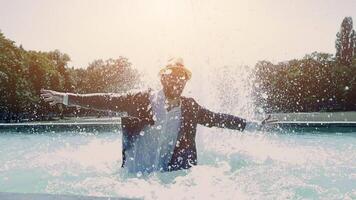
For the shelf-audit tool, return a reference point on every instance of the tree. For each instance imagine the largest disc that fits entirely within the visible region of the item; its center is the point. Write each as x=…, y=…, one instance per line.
x=16, y=95
x=311, y=84
x=23, y=74
x=61, y=60
x=112, y=75
x=354, y=42
x=345, y=42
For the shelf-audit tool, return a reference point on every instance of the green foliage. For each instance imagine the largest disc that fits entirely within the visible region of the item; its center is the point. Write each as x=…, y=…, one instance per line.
x=112, y=75
x=345, y=42
x=24, y=73
x=14, y=72
x=60, y=61
x=315, y=83
x=318, y=82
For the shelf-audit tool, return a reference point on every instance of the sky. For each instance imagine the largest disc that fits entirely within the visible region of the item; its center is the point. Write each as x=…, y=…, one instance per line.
x=206, y=33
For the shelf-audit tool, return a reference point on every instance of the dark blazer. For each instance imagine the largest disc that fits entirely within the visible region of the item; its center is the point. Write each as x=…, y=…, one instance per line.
x=137, y=106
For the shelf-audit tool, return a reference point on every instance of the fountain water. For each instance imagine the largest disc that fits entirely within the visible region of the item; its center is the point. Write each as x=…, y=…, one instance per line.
x=232, y=164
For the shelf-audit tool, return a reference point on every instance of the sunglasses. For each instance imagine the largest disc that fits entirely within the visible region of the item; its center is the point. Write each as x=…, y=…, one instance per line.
x=171, y=74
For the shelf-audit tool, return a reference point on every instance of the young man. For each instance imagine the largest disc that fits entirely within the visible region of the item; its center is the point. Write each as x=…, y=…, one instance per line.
x=159, y=132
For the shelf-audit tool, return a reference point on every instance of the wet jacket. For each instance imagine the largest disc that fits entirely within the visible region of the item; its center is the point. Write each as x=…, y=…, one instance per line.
x=137, y=106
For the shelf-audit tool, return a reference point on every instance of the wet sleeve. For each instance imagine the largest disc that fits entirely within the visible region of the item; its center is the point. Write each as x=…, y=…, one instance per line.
x=209, y=119
x=103, y=101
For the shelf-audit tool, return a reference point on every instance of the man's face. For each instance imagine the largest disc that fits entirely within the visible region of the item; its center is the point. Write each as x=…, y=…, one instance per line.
x=173, y=83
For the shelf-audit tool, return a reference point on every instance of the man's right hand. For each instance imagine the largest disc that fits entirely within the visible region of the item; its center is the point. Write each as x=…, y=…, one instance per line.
x=52, y=97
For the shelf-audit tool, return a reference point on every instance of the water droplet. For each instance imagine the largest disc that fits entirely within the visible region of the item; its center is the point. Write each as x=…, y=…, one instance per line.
x=139, y=174
x=264, y=95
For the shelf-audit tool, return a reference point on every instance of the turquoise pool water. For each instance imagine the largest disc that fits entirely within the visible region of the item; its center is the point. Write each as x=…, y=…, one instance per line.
x=232, y=165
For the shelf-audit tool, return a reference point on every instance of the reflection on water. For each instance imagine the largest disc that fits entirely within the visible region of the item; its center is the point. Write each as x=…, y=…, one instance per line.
x=231, y=165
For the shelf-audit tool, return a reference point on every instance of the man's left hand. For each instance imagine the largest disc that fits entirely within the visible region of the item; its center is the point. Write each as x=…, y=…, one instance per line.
x=268, y=120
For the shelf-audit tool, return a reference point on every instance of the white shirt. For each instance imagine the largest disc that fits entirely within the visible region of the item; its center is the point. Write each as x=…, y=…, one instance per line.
x=154, y=148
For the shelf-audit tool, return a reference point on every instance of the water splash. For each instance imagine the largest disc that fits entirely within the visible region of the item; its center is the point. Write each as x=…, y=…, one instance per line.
x=232, y=165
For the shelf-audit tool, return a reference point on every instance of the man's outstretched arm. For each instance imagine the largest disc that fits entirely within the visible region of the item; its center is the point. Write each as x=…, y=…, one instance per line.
x=98, y=101
x=209, y=118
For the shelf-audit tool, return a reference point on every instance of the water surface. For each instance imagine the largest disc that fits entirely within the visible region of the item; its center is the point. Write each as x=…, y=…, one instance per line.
x=232, y=165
